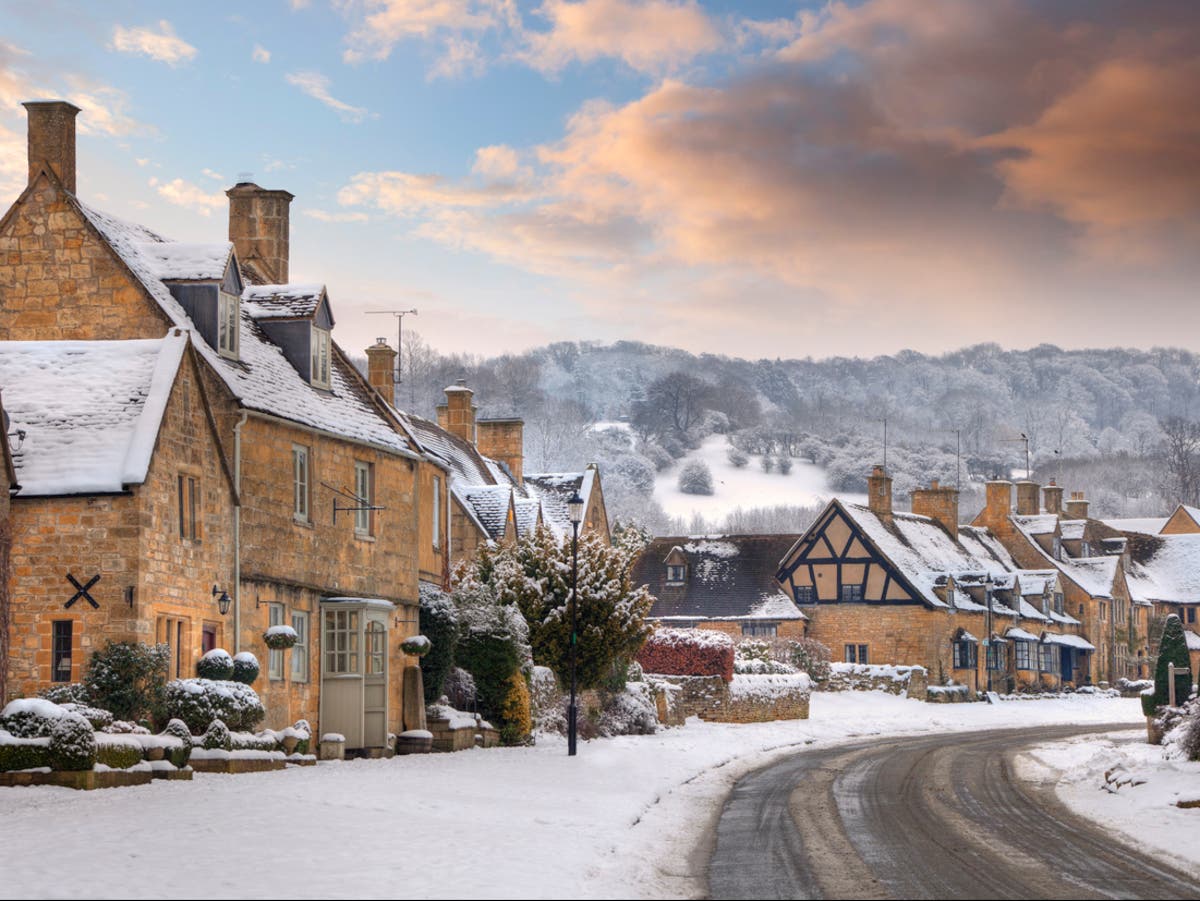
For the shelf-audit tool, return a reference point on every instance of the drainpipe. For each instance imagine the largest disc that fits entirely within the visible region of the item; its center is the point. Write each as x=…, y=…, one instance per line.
x=237, y=533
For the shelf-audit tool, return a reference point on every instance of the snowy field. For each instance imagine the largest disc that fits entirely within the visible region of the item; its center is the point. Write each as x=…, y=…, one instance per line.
x=1124, y=784
x=625, y=818
x=747, y=487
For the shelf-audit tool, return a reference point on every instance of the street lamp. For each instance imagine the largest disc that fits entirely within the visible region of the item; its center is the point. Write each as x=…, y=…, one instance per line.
x=575, y=512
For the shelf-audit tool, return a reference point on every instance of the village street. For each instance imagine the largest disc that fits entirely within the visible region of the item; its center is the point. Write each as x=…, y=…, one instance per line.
x=940, y=817
x=628, y=817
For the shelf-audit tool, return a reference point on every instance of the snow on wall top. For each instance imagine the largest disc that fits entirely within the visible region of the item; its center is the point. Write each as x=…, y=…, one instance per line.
x=90, y=410
x=262, y=379
x=1073, y=529
x=283, y=301
x=189, y=262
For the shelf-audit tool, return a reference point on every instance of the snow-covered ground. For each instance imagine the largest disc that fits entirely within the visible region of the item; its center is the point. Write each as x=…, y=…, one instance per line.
x=1123, y=783
x=621, y=819
x=748, y=487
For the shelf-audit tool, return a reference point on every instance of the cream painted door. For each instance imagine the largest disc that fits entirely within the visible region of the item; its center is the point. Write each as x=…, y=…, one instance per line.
x=375, y=665
x=342, y=674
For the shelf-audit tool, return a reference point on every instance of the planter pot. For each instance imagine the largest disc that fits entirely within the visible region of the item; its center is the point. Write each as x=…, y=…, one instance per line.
x=415, y=741
x=1154, y=732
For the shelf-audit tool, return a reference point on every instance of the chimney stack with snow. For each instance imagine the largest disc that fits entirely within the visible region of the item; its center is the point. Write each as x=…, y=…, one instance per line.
x=259, y=230
x=457, y=414
x=51, y=129
x=1077, y=506
x=1053, y=496
x=1027, y=498
x=381, y=369
x=939, y=503
x=879, y=493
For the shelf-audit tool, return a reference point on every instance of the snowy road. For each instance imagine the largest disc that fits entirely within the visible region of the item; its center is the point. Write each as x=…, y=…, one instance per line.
x=939, y=817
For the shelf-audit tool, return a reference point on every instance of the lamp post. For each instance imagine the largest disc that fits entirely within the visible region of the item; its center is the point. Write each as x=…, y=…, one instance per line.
x=575, y=511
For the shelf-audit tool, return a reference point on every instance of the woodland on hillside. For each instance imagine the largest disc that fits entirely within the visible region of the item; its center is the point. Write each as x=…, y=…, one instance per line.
x=1119, y=424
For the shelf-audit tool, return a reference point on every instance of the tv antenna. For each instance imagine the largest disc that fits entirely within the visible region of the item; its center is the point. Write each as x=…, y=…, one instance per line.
x=399, y=314
x=1025, y=439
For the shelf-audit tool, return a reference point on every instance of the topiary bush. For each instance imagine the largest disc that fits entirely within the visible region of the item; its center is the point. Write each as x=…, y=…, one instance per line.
x=72, y=743
x=1172, y=649
x=179, y=756
x=101, y=720
x=514, y=719
x=216, y=665
x=688, y=652
x=23, y=756
x=200, y=701
x=244, y=741
x=216, y=737
x=245, y=668
x=29, y=717
x=70, y=693
x=118, y=756
x=129, y=680
x=305, y=731
x=439, y=622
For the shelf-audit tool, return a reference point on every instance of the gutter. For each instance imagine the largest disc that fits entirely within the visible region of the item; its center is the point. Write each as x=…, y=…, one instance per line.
x=337, y=436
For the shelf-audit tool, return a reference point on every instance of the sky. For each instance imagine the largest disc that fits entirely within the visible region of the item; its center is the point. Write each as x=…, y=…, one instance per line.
x=774, y=179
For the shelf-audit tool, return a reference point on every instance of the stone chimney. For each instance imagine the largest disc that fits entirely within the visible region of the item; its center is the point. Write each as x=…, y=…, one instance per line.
x=51, y=131
x=879, y=493
x=457, y=414
x=381, y=369
x=1053, y=497
x=503, y=440
x=1077, y=506
x=258, y=228
x=938, y=503
x=1027, y=498
x=997, y=507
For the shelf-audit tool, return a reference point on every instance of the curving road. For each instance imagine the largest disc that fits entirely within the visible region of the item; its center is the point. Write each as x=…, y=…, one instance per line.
x=933, y=817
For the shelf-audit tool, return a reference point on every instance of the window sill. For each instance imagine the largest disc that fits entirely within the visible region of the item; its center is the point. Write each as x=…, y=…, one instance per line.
x=307, y=523
x=362, y=536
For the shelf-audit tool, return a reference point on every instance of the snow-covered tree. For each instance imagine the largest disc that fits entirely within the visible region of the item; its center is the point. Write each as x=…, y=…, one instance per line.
x=695, y=478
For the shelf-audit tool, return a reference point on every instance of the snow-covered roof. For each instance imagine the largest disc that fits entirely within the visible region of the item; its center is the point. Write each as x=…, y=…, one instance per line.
x=262, y=379
x=554, y=489
x=90, y=410
x=1071, y=641
x=1039, y=524
x=1163, y=568
x=183, y=261
x=1193, y=640
x=1019, y=634
x=466, y=464
x=526, y=510
x=1073, y=529
x=491, y=504
x=1145, y=525
x=283, y=301
x=1095, y=575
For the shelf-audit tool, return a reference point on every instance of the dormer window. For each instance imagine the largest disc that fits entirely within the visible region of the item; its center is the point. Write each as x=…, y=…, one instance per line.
x=675, y=573
x=1057, y=548
x=228, y=315
x=320, y=357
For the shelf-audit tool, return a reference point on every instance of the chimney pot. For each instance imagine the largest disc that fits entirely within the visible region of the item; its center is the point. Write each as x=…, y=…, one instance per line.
x=51, y=135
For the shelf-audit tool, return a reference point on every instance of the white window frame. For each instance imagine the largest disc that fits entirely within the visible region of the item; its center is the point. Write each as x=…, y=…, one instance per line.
x=229, y=307
x=276, y=615
x=364, y=492
x=301, y=483
x=319, y=363
x=676, y=573
x=300, y=622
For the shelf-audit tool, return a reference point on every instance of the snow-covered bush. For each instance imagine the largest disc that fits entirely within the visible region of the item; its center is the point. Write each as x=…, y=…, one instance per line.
x=119, y=754
x=754, y=656
x=245, y=741
x=200, y=701
x=546, y=698
x=22, y=753
x=657, y=455
x=784, y=464
x=124, y=727
x=30, y=717
x=72, y=743
x=493, y=646
x=766, y=463
x=179, y=756
x=737, y=457
x=416, y=646
x=129, y=679
x=216, y=737
x=1183, y=738
x=460, y=689
x=216, y=664
x=695, y=478
x=810, y=656
x=245, y=668
x=438, y=620
x=101, y=720
x=280, y=638
x=68, y=693
x=688, y=652
x=629, y=712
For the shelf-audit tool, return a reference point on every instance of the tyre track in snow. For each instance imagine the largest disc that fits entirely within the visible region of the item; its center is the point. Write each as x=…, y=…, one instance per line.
x=927, y=817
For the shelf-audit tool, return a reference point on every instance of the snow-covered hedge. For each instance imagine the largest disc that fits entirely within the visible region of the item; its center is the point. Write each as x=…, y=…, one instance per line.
x=216, y=664
x=688, y=652
x=200, y=701
x=769, y=687
x=72, y=743
x=31, y=717
x=245, y=668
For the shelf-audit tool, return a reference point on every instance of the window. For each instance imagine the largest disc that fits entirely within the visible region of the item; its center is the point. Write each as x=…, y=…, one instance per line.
x=275, y=614
x=997, y=659
x=852, y=593
x=171, y=632
x=376, y=649
x=761, y=630
x=341, y=642
x=1047, y=654
x=364, y=484
x=857, y=653
x=1191, y=614
x=1059, y=606
x=1103, y=612
x=300, y=483
x=189, y=507
x=1057, y=548
x=1022, y=654
x=228, y=313
x=60, y=661
x=437, y=512
x=805, y=594
x=300, y=649
x=965, y=654
x=320, y=357
x=675, y=572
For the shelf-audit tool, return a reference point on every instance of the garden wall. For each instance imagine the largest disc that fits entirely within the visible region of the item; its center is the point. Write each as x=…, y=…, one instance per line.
x=747, y=699
x=907, y=681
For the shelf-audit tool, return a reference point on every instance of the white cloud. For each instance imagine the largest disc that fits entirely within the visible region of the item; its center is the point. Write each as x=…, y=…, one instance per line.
x=326, y=216
x=215, y=176
x=316, y=85
x=381, y=24
x=261, y=54
x=185, y=194
x=162, y=45
x=143, y=161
